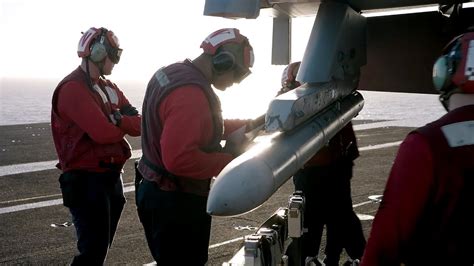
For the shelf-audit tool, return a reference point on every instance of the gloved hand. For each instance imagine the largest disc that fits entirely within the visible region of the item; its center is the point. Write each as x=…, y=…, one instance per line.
x=255, y=123
x=283, y=90
x=237, y=142
x=128, y=110
x=116, y=117
x=117, y=114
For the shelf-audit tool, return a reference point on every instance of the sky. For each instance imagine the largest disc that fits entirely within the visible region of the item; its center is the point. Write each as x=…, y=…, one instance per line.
x=39, y=39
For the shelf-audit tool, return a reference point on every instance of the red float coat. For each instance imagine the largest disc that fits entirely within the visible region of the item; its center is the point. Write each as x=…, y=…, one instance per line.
x=425, y=217
x=183, y=127
x=83, y=134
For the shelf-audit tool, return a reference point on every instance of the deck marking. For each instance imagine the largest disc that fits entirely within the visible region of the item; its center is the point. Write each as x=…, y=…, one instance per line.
x=380, y=146
x=22, y=168
x=362, y=203
x=29, y=206
x=15, y=169
x=226, y=242
x=41, y=204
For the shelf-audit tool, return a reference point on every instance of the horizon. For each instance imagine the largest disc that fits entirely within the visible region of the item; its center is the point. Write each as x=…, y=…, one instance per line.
x=36, y=94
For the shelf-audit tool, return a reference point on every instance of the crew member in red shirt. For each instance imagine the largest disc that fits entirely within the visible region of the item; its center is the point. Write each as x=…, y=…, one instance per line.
x=90, y=117
x=425, y=217
x=325, y=181
x=181, y=134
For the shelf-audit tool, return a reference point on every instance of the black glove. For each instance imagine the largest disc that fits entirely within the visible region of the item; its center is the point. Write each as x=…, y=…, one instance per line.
x=128, y=110
x=116, y=117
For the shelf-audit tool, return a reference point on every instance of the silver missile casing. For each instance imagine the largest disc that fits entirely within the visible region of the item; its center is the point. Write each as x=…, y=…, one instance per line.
x=294, y=107
x=250, y=179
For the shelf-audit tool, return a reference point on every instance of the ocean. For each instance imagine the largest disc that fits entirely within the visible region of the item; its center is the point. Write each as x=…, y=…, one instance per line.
x=29, y=101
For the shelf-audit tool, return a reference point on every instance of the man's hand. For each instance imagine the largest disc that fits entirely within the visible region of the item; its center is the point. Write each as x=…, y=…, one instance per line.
x=116, y=117
x=117, y=114
x=128, y=110
x=237, y=142
x=255, y=123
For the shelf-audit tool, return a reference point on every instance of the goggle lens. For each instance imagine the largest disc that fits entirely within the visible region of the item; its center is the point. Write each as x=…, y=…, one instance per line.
x=114, y=55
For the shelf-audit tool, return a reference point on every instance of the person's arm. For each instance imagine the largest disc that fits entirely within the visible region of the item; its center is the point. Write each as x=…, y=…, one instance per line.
x=188, y=127
x=77, y=104
x=231, y=125
x=131, y=125
x=404, y=200
x=131, y=118
x=240, y=133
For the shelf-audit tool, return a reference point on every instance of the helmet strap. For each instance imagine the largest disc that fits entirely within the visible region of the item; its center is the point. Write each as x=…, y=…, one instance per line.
x=89, y=79
x=100, y=65
x=445, y=95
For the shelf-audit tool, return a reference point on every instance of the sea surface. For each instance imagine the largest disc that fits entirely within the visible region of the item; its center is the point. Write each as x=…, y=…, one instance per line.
x=26, y=102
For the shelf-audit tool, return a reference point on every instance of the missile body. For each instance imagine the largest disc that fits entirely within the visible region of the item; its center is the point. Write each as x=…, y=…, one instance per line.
x=296, y=106
x=250, y=179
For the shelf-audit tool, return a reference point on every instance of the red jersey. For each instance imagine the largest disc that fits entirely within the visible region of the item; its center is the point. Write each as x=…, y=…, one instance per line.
x=425, y=216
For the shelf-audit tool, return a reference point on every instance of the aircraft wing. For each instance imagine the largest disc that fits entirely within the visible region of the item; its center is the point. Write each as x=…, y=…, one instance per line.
x=296, y=8
x=399, y=51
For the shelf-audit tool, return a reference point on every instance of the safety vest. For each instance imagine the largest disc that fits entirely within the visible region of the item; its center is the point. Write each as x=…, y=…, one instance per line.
x=165, y=80
x=445, y=231
x=75, y=149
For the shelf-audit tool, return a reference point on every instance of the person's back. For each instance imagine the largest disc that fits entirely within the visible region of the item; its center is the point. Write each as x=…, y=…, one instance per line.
x=425, y=215
x=446, y=228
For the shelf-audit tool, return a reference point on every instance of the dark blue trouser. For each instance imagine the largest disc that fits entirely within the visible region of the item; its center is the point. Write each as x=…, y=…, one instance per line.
x=177, y=226
x=328, y=201
x=96, y=213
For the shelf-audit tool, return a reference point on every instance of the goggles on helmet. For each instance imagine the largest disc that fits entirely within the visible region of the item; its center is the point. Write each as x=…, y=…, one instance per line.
x=114, y=54
x=113, y=44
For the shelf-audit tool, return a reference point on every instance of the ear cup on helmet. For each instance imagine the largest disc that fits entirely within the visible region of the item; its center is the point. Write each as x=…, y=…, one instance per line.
x=98, y=52
x=441, y=73
x=223, y=61
x=445, y=66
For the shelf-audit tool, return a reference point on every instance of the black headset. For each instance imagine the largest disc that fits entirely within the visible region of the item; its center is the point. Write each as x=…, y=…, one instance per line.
x=443, y=70
x=445, y=66
x=99, y=47
x=223, y=61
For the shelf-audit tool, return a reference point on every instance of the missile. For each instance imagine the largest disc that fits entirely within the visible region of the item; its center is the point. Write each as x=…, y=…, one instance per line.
x=296, y=106
x=250, y=179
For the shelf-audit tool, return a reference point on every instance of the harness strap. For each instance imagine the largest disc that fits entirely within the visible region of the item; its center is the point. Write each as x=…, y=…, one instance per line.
x=161, y=171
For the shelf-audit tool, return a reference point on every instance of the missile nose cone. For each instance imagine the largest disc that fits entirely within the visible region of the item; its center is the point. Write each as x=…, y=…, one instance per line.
x=242, y=186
